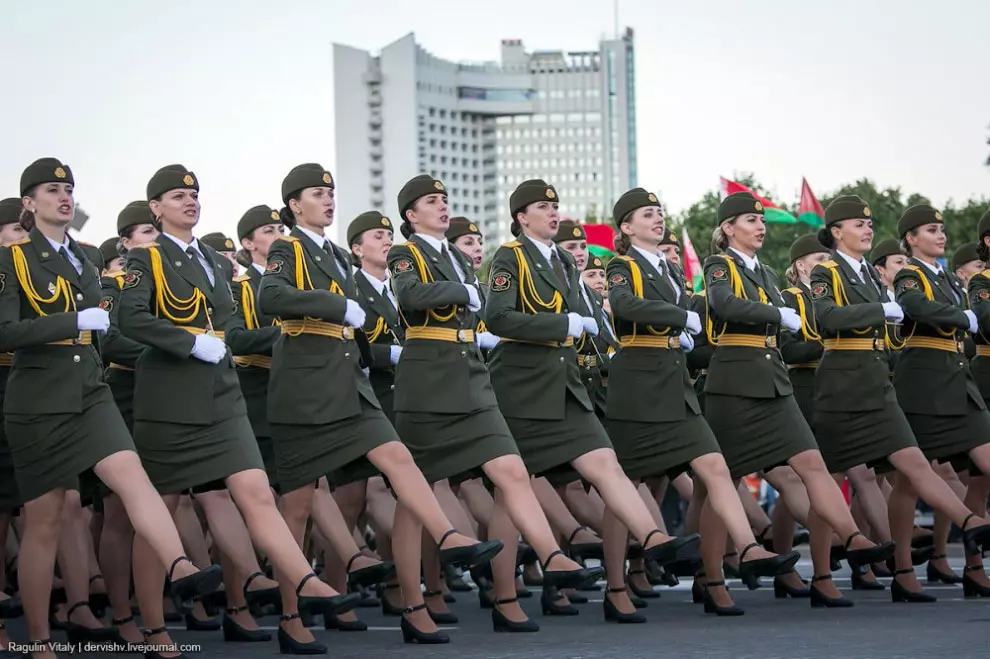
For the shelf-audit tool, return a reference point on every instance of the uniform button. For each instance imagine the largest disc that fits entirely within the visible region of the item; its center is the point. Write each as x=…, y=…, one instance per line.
x=391, y=386
x=961, y=364
x=766, y=357
x=347, y=355
x=75, y=358
x=561, y=359
x=463, y=353
x=79, y=296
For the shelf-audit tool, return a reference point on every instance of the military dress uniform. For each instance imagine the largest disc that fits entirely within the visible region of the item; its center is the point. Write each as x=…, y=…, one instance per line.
x=381, y=321
x=223, y=246
x=699, y=359
x=749, y=400
x=322, y=408
x=534, y=368
x=802, y=352
x=251, y=336
x=445, y=408
x=595, y=352
x=978, y=294
x=190, y=420
x=878, y=256
x=59, y=413
x=10, y=213
x=934, y=385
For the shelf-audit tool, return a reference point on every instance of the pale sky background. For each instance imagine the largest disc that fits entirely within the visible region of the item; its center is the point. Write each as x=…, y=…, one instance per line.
x=240, y=92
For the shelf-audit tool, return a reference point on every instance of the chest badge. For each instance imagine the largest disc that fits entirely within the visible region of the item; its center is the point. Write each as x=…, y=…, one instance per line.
x=51, y=288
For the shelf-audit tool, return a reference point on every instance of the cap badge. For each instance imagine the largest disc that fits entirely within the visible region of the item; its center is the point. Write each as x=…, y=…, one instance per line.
x=326, y=178
x=938, y=216
x=652, y=197
x=472, y=227
x=385, y=222
x=551, y=194
x=867, y=212
x=59, y=172
x=577, y=232
x=758, y=206
x=275, y=215
x=438, y=185
x=188, y=180
x=229, y=244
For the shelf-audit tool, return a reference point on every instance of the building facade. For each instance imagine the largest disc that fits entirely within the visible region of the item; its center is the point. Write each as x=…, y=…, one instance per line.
x=567, y=117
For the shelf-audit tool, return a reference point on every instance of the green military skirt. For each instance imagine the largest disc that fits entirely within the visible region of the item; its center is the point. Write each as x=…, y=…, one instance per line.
x=803, y=384
x=757, y=434
x=548, y=446
x=951, y=438
x=10, y=499
x=254, y=386
x=455, y=445
x=180, y=457
x=653, y=450
x=50, y=451
x=848, y=439
x=304, y=454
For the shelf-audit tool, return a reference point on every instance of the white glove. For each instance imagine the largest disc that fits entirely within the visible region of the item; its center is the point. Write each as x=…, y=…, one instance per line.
x=486, y=340
x=790, y=319
x=693, y=323
x=393, y=354
x=474, y=301
x=590, y=326
x=892, y=311
x=354, y=316
x=687, y=343
x=209, y=349
x=974, y=324
x=575, y=325
x=95, y=319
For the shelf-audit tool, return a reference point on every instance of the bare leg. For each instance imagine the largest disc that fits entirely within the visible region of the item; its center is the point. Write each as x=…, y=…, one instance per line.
x=72, y=558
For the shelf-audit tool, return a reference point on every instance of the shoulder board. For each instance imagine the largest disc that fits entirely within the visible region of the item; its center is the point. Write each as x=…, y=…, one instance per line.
x=115, y=273
x=289, y=239
x=625, y=257
x=829, y=264
x=793, y=290
x=240, y=278
x=512, y=244
x=912, y=267
x=22, y=241
x=145, y=245
x=985, y=274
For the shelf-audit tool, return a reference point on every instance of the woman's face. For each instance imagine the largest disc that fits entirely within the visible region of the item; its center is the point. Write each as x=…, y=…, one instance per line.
x=143, y=233
x=373, y=248
x=540, y=220
x=806, y=264
x=261, y=239
x=314, y=208
x=595, y=280
x=471, y=246
x=855, y=236
x=11, y=233
x=966, y=271
x=646, y=225
x=747, y=232
x=671, y=253
x=178, y=208
x=890, y=267
x=52, y=203
x=929, y=240
x=578, y=249
x=116, y=265
x=429, y=215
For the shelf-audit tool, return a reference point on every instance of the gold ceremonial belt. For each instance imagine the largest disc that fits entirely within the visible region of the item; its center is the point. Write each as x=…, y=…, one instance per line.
x=317, y=328
x=983, y=351
x=85, y=338
x=587, y=361
x=447, y=334
x=664, y=342
x=120, y=367
x=855, y=344
x=547, y=344
x=747, y=341
x=259, y=361
x=808, y=365
x=200, y=330
x=945, y=345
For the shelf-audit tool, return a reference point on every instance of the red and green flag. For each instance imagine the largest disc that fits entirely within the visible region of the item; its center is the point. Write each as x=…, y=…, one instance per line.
x=772, y=213
x=810, y=211
x=692, y=265
x=601, y=240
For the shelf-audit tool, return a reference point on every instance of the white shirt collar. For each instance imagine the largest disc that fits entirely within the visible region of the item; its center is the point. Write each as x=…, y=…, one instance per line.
x=545, y=250
x=259, y=268
x=937, y=268
x=856, y=265
x=751, y=262
x=654, y=258
x=377, y=283
x=435, y=243
x=57, y=246
x=318, y=238
x=184, y=246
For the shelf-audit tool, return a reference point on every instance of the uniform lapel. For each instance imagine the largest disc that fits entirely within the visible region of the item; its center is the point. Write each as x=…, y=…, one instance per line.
x=380, y=304
x=655, y=278
x=434, y=260
x=346, y=271
x=90, y=272
x=187, y=267
x=542, y=266
x=317, y=255
x=864, y=291
x=51, y=260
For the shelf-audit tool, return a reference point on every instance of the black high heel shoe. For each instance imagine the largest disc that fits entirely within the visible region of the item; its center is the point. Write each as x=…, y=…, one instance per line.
x=638, y=592
x=548, y=602
x=822, y=601
x=867, y=555
x=859, y=583
x=783, y=590
x=469, y=556
x=371, y=575
x=195, y=585
x=750, y=580
x=582, y=551
x=194, y=624
x=321, y=604
x=412, y=635
x=612, y=613
x=681, y=548
x=455, y=580
x=447, y=618
x=712, y=607
x=771, y=566
x=502, y=624
x=568, y=578
x=389, y=609
x=899, y=593
x=937, y=576
x=332, y=622
x=975, y=540
x=234, y=633
x=289, y=645
x=972, y=589
x=259, y=598
x=79, y=634
x=98, y=602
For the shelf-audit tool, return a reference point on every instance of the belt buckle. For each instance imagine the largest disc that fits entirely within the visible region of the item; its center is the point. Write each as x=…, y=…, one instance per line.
x=770, y=341
x=78, y=340
x=878, y=344
x=586, y=361
x=347, y=333
x=673, y=341
x=960, y=347
x=462, y=336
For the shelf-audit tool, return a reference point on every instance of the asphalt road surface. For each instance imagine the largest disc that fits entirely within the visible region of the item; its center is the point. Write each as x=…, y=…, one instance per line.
x=771, y=629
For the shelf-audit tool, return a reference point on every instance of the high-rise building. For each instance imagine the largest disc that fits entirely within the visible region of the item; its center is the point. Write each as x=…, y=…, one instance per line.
x=567, y=117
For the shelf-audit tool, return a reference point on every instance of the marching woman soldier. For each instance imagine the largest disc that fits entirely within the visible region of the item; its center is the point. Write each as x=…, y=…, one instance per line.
x=446, y=410
x=857, y=417
x=322, y=425
x=190, y=419
x=950, y=421
x=112, y=260
x=224, y=246
x=749, y=400
x=535, y=373
x=59, y=414
x=665, y=432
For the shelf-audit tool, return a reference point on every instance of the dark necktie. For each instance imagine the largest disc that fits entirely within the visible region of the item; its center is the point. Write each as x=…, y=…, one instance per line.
x=944, y=279
x=864, y=272
x=558, y=268
x=65, y=255
x=331, y=253
x=194, y=257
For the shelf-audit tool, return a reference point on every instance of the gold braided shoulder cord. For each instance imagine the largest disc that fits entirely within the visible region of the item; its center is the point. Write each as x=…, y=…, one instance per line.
x=62, y=288
x=305, y=283
x=248, y=306
x=528, y=295
x=167, y=303
x=735, y=280
x=426, y=276
x=807, y=331
x=930, y=296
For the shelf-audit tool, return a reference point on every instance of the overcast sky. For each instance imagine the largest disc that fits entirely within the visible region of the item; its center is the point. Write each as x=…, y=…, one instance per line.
x=240, y=92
